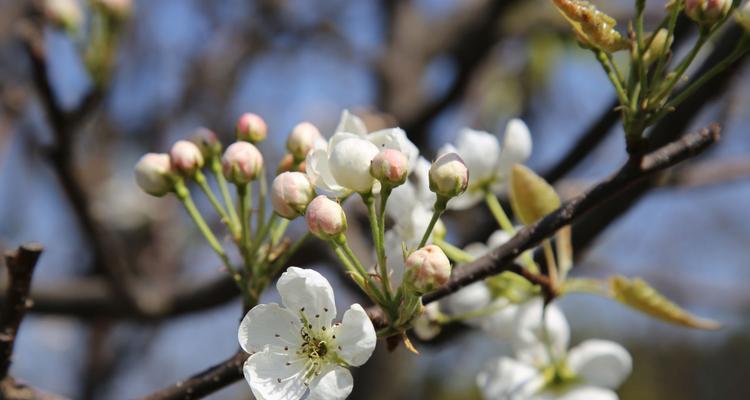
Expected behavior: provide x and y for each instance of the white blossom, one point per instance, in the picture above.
(296, 349)
(589, 371)
(343, 166)
(489, 163)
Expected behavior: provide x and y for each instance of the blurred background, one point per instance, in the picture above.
(429, 66)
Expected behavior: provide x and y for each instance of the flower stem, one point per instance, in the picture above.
(549, 255)
(263, 192)
(244, 243)
(377, 224)
(200, 179)
(439, 208)
(453, 252)
(234, 218)
(183, 194)
(352, 264)
(497, 211)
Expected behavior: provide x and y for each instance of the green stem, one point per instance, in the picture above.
(290, 252)
(379, 237)
(261, 237)
(200, 179)
(497, 211)
(183, 194)
(453, 252)
(263, 192)
(683, 66)
(352, 264)
(439, 208)
(549, 255)
(663, 53)
(244, 244)
(603, 59)
(234, 218)
(277, 232)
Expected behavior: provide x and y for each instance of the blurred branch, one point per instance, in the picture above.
(711, 172)
(498, 260)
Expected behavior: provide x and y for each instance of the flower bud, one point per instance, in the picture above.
(427, 269)
(390, 167)
(207, 142)
(291, 192)
(743, 15)
(242, 163)
(251, 128)
(64, 13)
(707, 12)
(449, 176)
(304, 137)
(186, 157)
(325, 218)
(660, 45)
(152, 174)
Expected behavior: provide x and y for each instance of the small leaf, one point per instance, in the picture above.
(638, 294)
(592, 27)
(585, 285)
(530, 195)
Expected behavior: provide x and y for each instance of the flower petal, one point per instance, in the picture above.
(600, 363)
(334, 383)
(468, 299)
(351, 123)
(320, 174)
(497, 238)
(508, 379)
(481, 152)
(307, 292)
(269, 325)
(581, 392)
(499, 324)
(355, 336)
(517, 145)
(275, 376)
(529, 336)
(467, 200)
(349, 163)
(395, 138)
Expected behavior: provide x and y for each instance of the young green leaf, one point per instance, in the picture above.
(530, 195)
(638, 294)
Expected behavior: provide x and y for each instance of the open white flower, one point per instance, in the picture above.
(343, 166)
(296, 349)
(489, 163)
(589, 371)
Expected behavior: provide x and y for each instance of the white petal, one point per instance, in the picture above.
(320, 174)
(476, 249)
(517, 145)
(307, 292)
(600, 363)
(508, 379)
(401, 201)
(349, 162)
(529, 336)
(351, 123)
(581, 392)
(413, 225)
(270, 378)
(468, 199)
(269, 325)
(421, 180)
(481, 153)
(334, 383)
(498, 238)
(395, 138)
(355, 336)
(468, 299)
(425, 326)
(500, 324)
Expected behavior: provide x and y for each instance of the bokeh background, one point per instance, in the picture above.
(430, 66)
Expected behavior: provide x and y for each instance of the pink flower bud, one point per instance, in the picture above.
(325, 218)
(242, 163)
(427, 269)
(186, 157)
(390, 167)
(207, 142)
(291, 192)
(707, 12)
(251, 128)
(304, 137)
(449, 176)
(152, 174)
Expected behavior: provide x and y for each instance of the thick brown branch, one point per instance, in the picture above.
(20, 264)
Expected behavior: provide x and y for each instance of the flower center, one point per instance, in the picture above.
(315, 349)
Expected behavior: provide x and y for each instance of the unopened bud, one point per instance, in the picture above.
(325, 218)
(427, 269)
(207, 142)
(186, 157)
(251, 128)
(291, 192)
(152, 174)
(64, 13)
(242, 163)
(449, 176)
(660, 45)
(303, 138)
(743, 16)
(288, 164)
(390, 167)
(707, 12)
